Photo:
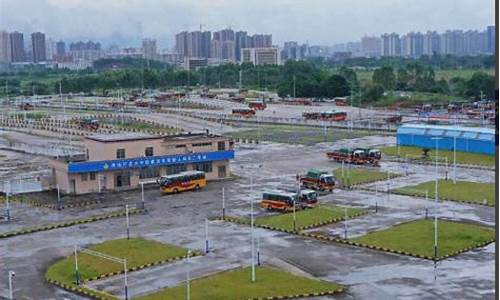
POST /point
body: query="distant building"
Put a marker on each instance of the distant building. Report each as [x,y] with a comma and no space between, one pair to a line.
[371,46]
[50,49]
[5,47]
[260,56]
[88,52]
[149,50]
[261,41]
[193,63]
[453,42]
[412,45]
[60,48]
[491,39]
[17,47]
[391,45]
[181,43]
[431,43]
[38,46]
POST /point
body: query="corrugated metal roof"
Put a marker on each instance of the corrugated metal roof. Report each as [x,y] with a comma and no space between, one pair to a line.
[451,128]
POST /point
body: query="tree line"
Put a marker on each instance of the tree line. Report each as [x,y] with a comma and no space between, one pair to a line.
[294,78]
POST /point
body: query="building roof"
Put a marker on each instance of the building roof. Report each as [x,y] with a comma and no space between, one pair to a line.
[124,137]
[448,127]
[479,133]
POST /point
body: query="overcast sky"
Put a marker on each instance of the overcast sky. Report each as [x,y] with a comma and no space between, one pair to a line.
[323,22]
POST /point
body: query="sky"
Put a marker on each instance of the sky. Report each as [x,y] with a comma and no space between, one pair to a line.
[318,22]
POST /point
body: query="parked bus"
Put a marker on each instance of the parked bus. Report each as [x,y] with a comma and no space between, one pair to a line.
[244,112]
[184,181]
[284,200]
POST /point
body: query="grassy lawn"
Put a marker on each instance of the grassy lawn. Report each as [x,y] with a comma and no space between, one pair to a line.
[461,191]
[462,157]
[135,125]
[360,175]
[137,251]
[299,134]
[236,284]
[306,217]
[418,237]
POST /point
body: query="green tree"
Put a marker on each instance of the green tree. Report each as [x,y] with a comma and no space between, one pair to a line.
[373,93]
[385,77]
[335,86]
[480,82]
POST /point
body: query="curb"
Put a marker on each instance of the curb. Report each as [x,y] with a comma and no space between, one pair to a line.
[69,223]
[305,295]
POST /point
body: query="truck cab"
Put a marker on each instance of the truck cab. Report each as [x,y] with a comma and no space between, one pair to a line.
[308,198]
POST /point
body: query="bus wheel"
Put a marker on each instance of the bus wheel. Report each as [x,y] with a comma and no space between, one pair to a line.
[197,187]
[176,191]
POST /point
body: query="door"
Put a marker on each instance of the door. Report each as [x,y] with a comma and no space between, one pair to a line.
[221,170]
[72,186]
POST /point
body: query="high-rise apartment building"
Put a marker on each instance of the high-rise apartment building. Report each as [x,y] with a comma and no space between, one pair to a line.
[17,46]
[371,46]
[86,52]
[223,45]
[5,47]
[242,40]
[412,45]
[491,39]
[431,43]
[391,44]
[181,43]
[453,42]
[60,48]
[38,46]
[50,49]
[149,50]
[261,40]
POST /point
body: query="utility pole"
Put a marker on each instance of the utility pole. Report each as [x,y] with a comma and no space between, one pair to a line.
[188,284]
[240,81]
[127,221]
[294,87]
[77,272]
[223,204]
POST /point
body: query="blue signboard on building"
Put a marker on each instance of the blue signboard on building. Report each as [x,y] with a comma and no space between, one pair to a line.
[149,161]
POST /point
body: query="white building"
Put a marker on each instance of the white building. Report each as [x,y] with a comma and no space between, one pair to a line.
[149,50]
[5,51]
[260,56]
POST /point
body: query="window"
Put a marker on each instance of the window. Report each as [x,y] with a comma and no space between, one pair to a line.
[84,176]
[180,146]
[221,146]
[149,151]
[174,169]
[149,173]
[92,176]
[205,167]
[221,170]
[120,153]
[202,144]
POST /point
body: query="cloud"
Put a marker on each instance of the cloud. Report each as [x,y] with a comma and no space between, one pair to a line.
[317,21]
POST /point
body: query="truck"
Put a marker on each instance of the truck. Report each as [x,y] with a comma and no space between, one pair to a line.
[88,123]
[357,156]
[317,180]
[26,106]
[396,119]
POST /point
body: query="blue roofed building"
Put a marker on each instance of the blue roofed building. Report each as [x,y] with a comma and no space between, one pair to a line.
[466,139]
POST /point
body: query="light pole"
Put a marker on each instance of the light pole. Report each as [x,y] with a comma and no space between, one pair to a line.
[436,201]
[454,160]
[206,236]
[7,203]
[127,221]
[223,204]
[142,195]
[345,223]
[58,197]
[77,272]
[11,290]
[188,284]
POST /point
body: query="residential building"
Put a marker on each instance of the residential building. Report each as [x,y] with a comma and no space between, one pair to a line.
[261,41]
[38,46]
[181,43]
[17,46]
[5,47]
[491,39]
[412,45]
[50,49]
[86,51]
[193,63]
[149,50]
[242,40]
[452,42]
[391,44]
[60,48]
[123,161]
[371,46]
[431,43]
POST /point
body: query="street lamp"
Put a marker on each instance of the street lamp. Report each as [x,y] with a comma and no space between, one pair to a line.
[252,224]
[436,200]
[127,221]
[188,284]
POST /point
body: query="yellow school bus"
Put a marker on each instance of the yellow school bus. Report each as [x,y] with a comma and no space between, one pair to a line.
[184,181]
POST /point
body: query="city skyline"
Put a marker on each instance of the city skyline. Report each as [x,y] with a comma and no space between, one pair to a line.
[126,23]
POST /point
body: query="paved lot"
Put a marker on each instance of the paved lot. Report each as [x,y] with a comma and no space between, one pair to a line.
[179,219]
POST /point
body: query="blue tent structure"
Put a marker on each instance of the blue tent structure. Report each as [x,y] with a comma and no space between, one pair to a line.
[466,139]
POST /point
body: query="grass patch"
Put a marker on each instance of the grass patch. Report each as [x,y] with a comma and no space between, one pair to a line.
[305,135]
[136,125]
[467,191]
[307,217]
[34,115]
[137,251]
[418,237]
[360,175]
[236,284]
[462,157]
